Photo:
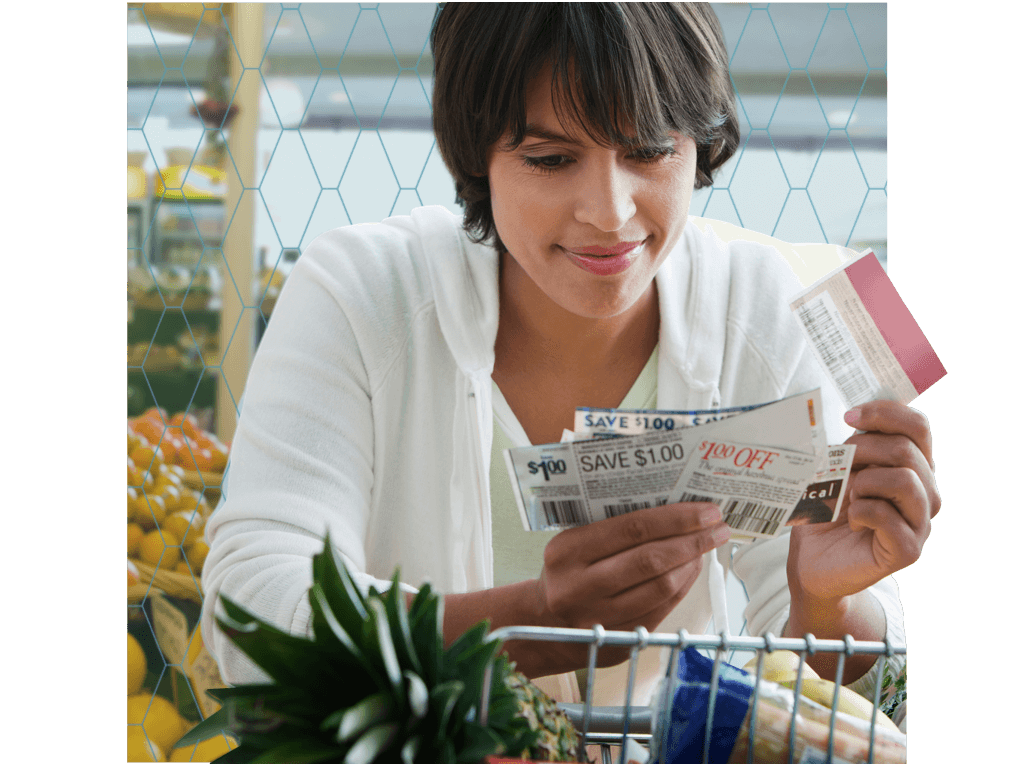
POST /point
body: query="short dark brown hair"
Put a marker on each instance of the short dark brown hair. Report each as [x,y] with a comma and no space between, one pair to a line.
[641,67]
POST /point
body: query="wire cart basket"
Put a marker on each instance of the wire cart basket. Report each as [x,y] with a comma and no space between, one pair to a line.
[608,726]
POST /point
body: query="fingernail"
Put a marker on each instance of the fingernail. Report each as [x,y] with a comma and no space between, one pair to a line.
[852,416]
[710,515]
[721,534]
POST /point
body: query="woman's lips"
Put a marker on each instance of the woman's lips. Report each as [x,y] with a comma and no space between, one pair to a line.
[605,261]
[619,249]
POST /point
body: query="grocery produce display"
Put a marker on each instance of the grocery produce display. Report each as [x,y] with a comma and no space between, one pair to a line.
[166,512]
[375,682]
[172,464]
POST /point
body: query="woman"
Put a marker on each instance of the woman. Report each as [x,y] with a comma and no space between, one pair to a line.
[404,356]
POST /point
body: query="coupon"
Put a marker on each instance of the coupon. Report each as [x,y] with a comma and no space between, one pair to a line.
[864,336]
[563,485]
[764,423]
[823,497]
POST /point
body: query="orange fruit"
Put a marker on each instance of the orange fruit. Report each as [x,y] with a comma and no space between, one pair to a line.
[203,460]
[165,448]
[151,430]
[190,426]
[155,413]
[183,568]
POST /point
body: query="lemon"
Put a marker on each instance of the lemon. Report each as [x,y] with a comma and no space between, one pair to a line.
[135,534]
[158,716]
[171,494]
[208,750]
[139,748]
[186,526]
[136,665]
[152,547]
[196,555]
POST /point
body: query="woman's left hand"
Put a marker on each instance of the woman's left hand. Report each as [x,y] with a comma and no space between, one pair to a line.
[886,516]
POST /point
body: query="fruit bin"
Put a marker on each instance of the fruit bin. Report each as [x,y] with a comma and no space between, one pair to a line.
[628,726]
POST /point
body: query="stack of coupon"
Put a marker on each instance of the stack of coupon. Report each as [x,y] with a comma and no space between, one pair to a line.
[617,461]
[765,466]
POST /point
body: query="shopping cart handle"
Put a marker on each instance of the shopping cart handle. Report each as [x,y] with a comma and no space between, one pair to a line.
[609,719]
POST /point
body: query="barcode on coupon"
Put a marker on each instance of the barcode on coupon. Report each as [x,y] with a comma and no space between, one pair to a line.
[842,357]
[696,497]
[752,516]
[565,512]
[614,510]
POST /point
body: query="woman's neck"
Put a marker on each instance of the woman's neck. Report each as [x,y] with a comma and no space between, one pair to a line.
[535,329]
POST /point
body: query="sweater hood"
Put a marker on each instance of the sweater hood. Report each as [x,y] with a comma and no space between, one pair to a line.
[691,288]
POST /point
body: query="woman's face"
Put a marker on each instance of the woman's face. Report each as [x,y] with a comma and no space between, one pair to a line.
[589,225]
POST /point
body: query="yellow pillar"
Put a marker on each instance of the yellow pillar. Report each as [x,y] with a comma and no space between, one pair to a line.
[237,324]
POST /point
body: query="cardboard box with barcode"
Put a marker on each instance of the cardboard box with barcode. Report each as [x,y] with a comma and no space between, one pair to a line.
[181,642]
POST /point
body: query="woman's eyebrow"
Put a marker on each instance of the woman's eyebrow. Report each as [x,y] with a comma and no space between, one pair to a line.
[546,134]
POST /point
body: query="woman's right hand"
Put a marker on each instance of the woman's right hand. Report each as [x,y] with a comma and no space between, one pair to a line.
[625,571]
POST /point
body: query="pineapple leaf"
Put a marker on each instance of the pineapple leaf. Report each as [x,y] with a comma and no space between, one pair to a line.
[424,599]
[262,716]
[372,744]
[286,658]
[399,620]
[470,638]
[299,750]
[419,696]
[480,742]
[241,755]
[209,727]
[363,715]
[470,665]
[428,642]
[323,614]
[410,749]
[444,697]
[378,627]
[446,754]
[347,602]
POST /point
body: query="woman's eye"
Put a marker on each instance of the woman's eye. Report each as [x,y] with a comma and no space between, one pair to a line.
[554,162]
[544,162]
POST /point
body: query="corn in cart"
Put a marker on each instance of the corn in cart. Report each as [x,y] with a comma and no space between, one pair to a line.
[778,725]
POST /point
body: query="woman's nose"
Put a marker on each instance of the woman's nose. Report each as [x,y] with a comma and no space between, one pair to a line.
[605,198]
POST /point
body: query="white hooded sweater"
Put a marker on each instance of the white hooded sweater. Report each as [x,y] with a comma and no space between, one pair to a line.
[368,413]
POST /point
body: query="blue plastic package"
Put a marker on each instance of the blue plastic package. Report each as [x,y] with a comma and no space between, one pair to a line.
[691,700]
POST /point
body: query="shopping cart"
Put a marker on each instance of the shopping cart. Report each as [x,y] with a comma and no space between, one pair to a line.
[617,725]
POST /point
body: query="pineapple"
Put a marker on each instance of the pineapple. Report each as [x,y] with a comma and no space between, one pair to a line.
[375,684]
